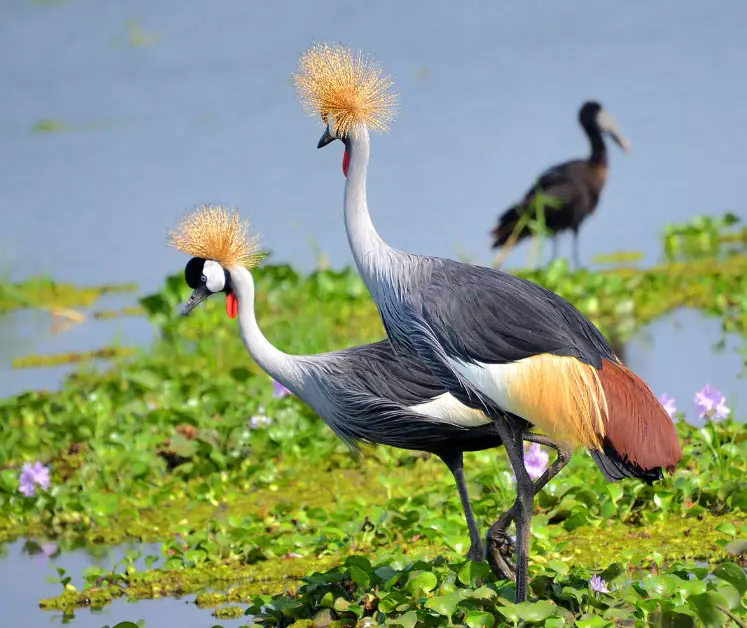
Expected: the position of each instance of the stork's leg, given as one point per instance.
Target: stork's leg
(499, 543)
(455, 462)
(576, 260)
(554, 248)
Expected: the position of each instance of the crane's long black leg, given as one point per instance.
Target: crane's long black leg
(576, 260)
(499, 544)
(455, 462)
(511, 433)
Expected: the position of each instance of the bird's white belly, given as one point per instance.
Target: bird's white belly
(447, 409)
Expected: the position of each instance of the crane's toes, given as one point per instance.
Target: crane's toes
(499, 554)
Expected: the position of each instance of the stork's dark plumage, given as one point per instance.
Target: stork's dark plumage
(496, 342)
(575, 185)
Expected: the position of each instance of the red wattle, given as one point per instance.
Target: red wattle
(232, 305)
(345, 162)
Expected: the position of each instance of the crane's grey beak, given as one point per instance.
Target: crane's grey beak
(198, 296)
(607, 123)
(327, 138)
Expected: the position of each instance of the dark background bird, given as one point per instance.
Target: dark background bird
(568, 192)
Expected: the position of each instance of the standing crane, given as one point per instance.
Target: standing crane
(573, 188)
(365, 394)
(506, 346)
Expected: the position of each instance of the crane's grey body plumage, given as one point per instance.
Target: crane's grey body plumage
(441, 310)
(355, 389)
(454, 316)
(366, 394)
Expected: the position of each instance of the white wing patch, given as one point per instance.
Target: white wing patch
(491, 380)
(447, 409)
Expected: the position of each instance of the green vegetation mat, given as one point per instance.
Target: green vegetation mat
(260, 509)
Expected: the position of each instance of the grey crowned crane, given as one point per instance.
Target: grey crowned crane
(574, 185)
(497, 343)
(364, 394)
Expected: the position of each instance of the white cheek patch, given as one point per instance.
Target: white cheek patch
(216, 278)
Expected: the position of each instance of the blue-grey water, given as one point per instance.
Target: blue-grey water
(158, 106)
(23, 581)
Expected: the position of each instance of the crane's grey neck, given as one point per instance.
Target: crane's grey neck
(373, 257)
(286, 369)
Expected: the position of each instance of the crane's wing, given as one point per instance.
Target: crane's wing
(479, 314)
(367, 394)
(375, 367)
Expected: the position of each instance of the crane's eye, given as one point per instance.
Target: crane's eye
(203, 279)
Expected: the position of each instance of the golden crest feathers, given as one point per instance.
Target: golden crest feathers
(350, 88)
(217, 233)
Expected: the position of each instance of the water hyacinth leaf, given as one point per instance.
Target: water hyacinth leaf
(731, 595)
(391, 601)
(445, 605)
(615, 570)
(594, 622)
(536, 611)
(608, 510)
(691, 587)
(406, 620)
(423, 581)
(196, 556)
(105, 504)
(558, 566)
(483, 593)
(733, 574)
(660, 586)
(738, 500)
(479, 619)
(727, 528)
(706, 606)
(360, 577)
(678, 618)
(471, 573)
(385, 572)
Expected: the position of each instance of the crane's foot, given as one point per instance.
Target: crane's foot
(476, 552)
(500, 550)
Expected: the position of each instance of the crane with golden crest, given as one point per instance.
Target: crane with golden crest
(364, 394)
(497, 343)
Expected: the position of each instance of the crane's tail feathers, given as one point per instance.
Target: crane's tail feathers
(614, 468)
(640, 439)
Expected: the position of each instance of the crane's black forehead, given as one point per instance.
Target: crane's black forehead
(193, 271)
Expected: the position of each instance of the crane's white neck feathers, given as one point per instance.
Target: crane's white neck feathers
(286, 369)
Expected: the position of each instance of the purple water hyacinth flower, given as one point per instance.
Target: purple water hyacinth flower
(598, 584)
(279, 391)
(536, 461)
(33, 475)
(711, 404)
(670, 405)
